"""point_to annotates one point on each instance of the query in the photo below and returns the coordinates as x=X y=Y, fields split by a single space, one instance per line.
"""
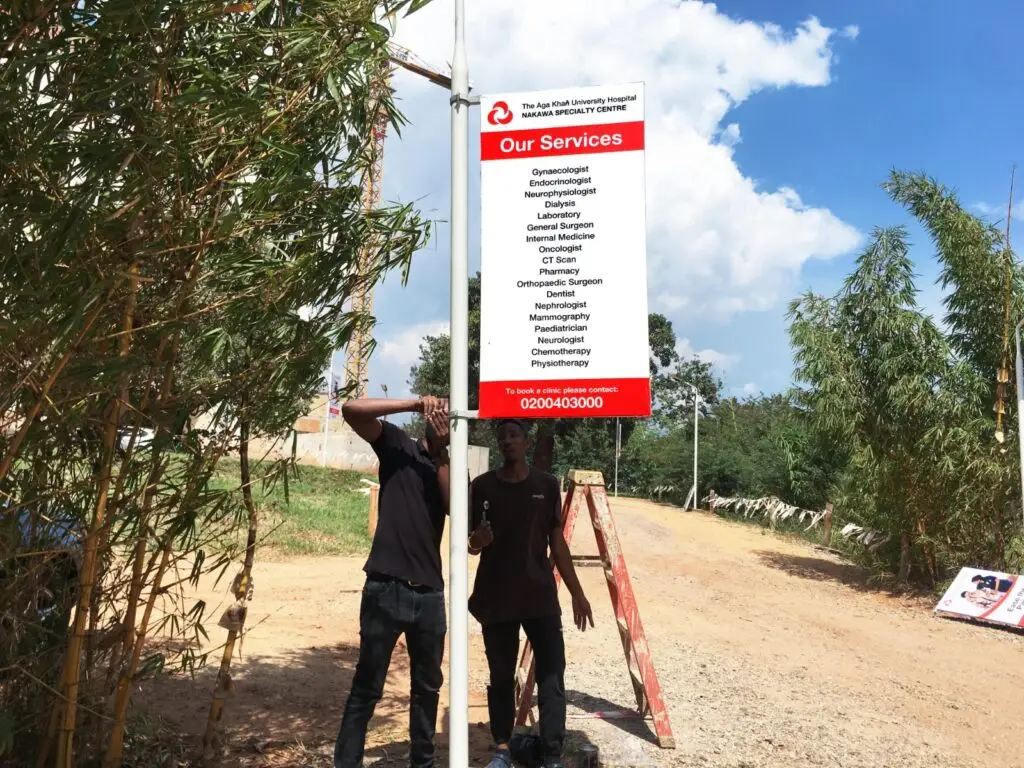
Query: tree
x=673 y=391
x=763 y=446
x=912 y=406
x=578 y=442
x=182 y=212
x=873 y=360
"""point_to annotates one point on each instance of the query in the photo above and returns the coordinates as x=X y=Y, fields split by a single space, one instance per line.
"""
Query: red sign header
x=571 y=398
x=569 y=140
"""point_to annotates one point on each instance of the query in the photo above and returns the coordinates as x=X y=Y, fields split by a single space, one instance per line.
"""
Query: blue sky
x=771 y=124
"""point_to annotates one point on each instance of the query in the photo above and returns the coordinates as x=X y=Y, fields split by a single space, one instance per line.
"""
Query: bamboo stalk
x=134 y=591
x=55 y=714
x=129 y=633
x=115 y=747
x=223 y=684
x=91 y=724
x=929 y=551
x=87 y=575
x=138 y=574
x=904 y=572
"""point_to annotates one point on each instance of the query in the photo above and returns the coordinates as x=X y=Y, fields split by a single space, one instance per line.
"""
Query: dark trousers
x=388 y=609
x=501 y=643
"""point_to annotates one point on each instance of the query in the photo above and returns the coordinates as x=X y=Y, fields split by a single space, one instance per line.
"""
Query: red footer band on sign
x=567 y=140
x=565 y=398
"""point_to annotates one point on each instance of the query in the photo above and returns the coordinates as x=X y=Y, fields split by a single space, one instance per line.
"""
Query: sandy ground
x=769 y=653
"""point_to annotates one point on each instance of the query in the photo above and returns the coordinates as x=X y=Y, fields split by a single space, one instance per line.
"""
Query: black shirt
x=990 y=582
x=410 y=512
x=515 y=580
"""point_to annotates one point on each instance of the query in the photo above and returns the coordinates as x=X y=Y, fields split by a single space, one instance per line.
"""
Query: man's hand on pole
x=436 y=414
x=429 y=404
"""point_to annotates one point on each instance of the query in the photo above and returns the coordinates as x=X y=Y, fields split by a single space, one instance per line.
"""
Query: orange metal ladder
x=587 y=489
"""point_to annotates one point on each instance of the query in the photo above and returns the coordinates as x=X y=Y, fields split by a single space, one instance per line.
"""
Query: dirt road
x=769 y=653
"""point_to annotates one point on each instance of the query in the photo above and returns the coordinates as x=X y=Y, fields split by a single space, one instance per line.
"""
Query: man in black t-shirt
x=404 y=591
x=992 y=582
x=516 y=516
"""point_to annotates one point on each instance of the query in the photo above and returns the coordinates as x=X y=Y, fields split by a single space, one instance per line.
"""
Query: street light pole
x=696 y=418
x=696 y=415
x=458 y=560
x=1020 y=410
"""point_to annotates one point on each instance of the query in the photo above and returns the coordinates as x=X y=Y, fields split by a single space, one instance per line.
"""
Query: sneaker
x=502 y=759
x=525 y=749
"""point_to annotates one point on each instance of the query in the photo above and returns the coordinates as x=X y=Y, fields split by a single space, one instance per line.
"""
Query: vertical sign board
x=563 y=306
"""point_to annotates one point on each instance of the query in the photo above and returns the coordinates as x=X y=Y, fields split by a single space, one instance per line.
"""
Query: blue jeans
x=390 y=608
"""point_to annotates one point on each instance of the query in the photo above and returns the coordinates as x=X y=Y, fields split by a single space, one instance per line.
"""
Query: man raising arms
x=516 y=513
x=404 y=591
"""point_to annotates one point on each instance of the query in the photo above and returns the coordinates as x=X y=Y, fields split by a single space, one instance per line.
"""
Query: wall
x=346 y=450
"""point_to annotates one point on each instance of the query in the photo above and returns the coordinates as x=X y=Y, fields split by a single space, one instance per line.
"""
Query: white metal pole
x=327 y=414
x=458 y=560
x=1020 y=410
x=618 y=450
x=696 y=415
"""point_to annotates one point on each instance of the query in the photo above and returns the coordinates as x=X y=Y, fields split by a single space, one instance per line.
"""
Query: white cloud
x=723 y=360
x=751 y=388
x=718 y=242
x=851 y=32
x=402 y=349
x=671 y=302
x=730 y=135
x=992 y=211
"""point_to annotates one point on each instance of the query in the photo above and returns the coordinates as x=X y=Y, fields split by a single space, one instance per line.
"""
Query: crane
x=357 y=358
x=357 y=352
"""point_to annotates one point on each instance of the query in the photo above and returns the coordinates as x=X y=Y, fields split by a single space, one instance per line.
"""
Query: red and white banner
x=563 y=307
x=985 y=596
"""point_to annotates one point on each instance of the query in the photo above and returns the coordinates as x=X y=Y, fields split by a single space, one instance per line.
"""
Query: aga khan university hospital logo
x=500 y=114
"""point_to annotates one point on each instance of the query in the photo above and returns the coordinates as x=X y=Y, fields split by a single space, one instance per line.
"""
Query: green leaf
x=332 y=86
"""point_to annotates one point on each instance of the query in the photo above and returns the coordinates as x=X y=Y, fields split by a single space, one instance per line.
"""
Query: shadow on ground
x=634 y=726
x=821 y=569
x=284 y=711
x=281 y=706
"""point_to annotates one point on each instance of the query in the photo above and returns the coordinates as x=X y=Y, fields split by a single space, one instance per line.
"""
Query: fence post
x=826 y=529
x=374 y=491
